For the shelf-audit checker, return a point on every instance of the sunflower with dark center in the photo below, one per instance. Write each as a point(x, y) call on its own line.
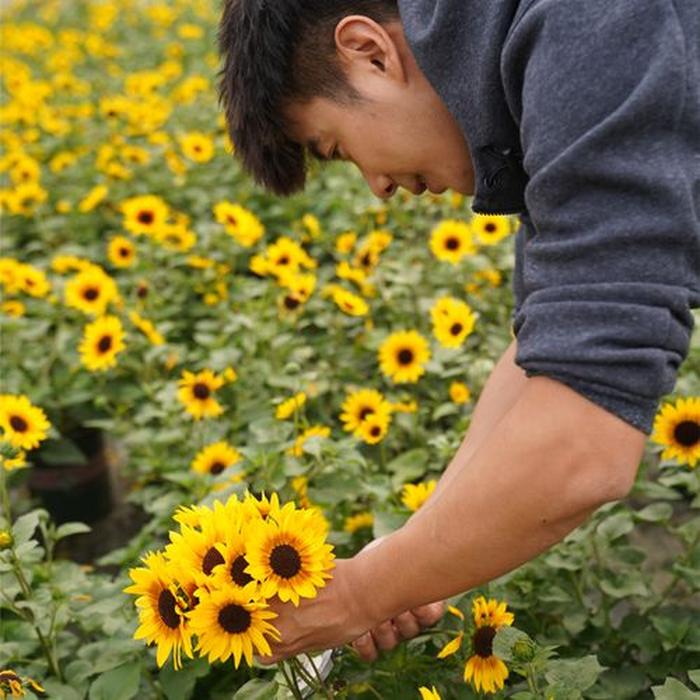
point(453, 321)
point(163, 604)
point(121, 252)
point(485, 671)
point(215, 458)
point(289, 555)
point(374, 428)
point(490, 229)
point(197, 391)
point(677, 428)
point(144, 214)
point(103, 340)
point(361, 405)
point(230, 622)
point(91, 290)
point(240, 223)
point(452, 240)
point(24, 425)
point(403, 356)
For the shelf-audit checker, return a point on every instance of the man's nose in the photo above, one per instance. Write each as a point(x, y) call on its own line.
point(381, 185)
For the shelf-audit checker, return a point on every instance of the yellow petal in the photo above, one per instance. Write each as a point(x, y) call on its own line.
point(451, 647)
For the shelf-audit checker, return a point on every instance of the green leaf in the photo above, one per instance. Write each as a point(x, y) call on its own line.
point(672, 625)
point(673, 689)
point(68, 529)
point(417, 457)
point(386, 522)
point(257, 689)
point(121, 683)
point(505, 640)
point(656, 512)
point(574, 674)
point(615, 526)
point(178, 685)
point(61, 453)
point(694, 676)
point(25, 526)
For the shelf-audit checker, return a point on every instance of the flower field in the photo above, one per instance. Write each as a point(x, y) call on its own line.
point(262, 385)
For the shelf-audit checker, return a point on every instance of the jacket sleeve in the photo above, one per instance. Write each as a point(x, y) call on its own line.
point(606, 94)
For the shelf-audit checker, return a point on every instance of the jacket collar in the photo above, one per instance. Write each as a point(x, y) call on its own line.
point(458, 44)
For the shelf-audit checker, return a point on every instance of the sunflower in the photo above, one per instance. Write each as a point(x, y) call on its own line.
point(451, 240)
point(196, 392)
point(350, 303)
point(24, 425)
point(94, 197)
point(459, 392)
point(402, 356)
point(345, 242)
point(163, 604)
point(214, 458)
point(429, 694)
point(197, 147)
point(228, 622)
point(240, 223)
point(260, 508)
point(290, 406)
point(359, 521)
point(321, 431)
point(33, 281)
point(175, 236)
point(144, 214)
point(147, 328)
point(103, 340)
point(485, 671)
point(374, 428)
point(490, 229)
point(13, 308)
point(413, 496)
point(91, 290)
point(121, 252)
point(677, 428)
point(453, 321)
point(289, 555)
point(360, 405)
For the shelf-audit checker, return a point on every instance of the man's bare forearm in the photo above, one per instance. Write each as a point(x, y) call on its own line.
point(544, 466)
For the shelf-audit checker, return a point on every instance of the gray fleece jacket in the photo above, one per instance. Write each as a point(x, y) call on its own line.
point(584, 118)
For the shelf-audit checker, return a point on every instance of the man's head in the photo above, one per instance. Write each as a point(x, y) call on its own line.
point(334, 78)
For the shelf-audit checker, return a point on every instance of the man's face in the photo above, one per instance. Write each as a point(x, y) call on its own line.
point(399, 135)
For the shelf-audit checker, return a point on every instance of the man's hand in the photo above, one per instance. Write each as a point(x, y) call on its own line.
point(392, 632)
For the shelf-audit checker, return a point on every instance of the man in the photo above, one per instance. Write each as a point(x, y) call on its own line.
point(584, 118)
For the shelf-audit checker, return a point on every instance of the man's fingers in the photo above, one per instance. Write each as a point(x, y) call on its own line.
point(407, 625)
point(428, 615)
point(385, 636)
point(366, 647)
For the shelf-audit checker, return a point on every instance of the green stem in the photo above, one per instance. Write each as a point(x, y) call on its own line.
point(326, 690)
point(291, 684)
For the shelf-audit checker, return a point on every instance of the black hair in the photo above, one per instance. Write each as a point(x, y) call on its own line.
point(273, 52)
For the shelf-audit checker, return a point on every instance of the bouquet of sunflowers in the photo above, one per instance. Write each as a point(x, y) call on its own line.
point(214, 579)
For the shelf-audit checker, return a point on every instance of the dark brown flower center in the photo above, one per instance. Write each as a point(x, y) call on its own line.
point(166, 609)
point(235, 619)
point(687, 433)
point(217, 468)
point(452, 244)
point(291, 302)
point(238, 573)
point(490, 227)
point(284, 260)
point(405, 356)
point(231, 219)
point(456, 328)
point(19, 424)
point(145, 217)
point(482, 641)
point(91, 293)
point(375, 431)
point(201, 391)
point(124, 252)
point(285, 561)
point(105, 343)
point(9, 677)
point(211, 559)
point(142, 291)
point(366, 411)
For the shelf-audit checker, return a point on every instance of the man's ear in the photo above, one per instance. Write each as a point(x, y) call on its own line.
point(364, 45)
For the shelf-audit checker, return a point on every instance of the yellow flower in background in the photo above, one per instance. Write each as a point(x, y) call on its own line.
point(240, 223)
point(13, 308)
point(677, 428)
point(121, 252)
point(374, 428)
point(300, 284)
point(24, 425)
point(485, 671)
point(359, 521)
point(229, 623)
point(190, 31)
point(163, 604)
point(290, 406)
point(321, 431)
point(70, 263)
point(175, 236)
point(197, 146)
point(15, 685)
point(378, 241)
point(144, 214)
point(289, 555)
point(403, 355)
point(103, 340)
point(431, 694)
point(215, 458)
point(94, 197)
point(312, 225)
point(31, 280)
point(459, 392)
point(490, 229)
point(453, 320)
point(345, 242)
point(413, 496)
point(147, 328)
point(90, 291)
point(350, 303)
point(404, 406)
point(361, 405)
point(16, 462)
point(197, 393)
point(451, 240)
